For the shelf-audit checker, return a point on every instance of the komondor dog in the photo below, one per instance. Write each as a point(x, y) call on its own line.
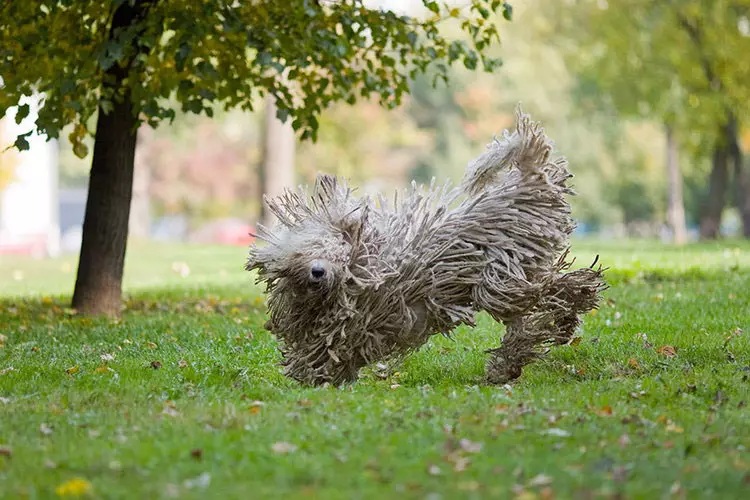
point(352, 282)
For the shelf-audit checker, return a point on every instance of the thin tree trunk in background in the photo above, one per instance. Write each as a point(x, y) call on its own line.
point(741, 175)
point(675, 203)
point(277, 168)
point(140, 207)
point(714, 203)
point(98, 288)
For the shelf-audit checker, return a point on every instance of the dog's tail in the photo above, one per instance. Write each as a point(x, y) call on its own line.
point(527, 149)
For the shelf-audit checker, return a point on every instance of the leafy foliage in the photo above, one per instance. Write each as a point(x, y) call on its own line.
point(307, 53)
point(680, 62)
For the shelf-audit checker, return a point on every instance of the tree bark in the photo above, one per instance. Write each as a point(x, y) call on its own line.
point(675, 203)
point(277, 169)
point(98, 287)
point(714, 203)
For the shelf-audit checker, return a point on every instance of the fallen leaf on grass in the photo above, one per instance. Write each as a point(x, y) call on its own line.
point(469, 446)
point(461, 464)
point(547, 493)
point(170, 409)
point(540, 480)
point(633, 363)
point(75, 487)
point(282, 447)
point(197, 453)
point(623, 441)
point(575, 341)
point(605, 411)
point(671, 427)
point(556, 432)
point(255, 407)
point(5, 451)
point(667, 350)
point(201, 481)
point(469, 486)
point(72, 370)
point(156, 365)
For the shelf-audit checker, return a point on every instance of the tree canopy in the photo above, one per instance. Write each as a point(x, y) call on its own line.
point(194, 56)
point(678, 61)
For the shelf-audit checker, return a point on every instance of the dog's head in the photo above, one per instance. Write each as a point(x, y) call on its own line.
point(310, 252)
point(309, 263)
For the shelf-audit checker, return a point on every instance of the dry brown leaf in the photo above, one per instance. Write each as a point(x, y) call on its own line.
point(605, 411)
point(633, 363)
point(547, 493)
point(469, 486)
point(5, 451)
point(667, 350)
point(461, 464)
point(671, 427)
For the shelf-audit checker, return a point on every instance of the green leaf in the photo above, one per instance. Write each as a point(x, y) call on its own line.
point(21, 143)
point(106, 106)
point(508, 11)
point(80, 150)
point(433, 6)
point(23, 112)
point(282, 114)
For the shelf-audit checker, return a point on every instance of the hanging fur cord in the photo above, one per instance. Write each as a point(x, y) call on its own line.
point(352, 282)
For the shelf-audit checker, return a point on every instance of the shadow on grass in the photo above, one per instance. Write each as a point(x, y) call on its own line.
point(58, 308)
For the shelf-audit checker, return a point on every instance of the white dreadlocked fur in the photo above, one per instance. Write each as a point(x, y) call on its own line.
point(351, 282)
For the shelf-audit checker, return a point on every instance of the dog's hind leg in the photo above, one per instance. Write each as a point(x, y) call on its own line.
point(553, 321)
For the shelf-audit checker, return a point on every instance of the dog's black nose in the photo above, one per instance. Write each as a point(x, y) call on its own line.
point(317, 272)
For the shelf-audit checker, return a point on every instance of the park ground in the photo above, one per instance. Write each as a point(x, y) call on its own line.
point(182, 397)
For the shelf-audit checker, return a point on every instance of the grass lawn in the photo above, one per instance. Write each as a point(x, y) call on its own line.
point(183, 398)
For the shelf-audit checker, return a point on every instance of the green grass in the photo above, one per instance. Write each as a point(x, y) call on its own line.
point(183, 398)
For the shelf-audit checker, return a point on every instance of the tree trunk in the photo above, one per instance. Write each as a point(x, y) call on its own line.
point(741, 175)
point(140, 206)
point(277, 169)
point(98, 287)
point(675, 204)
point(714, 204)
